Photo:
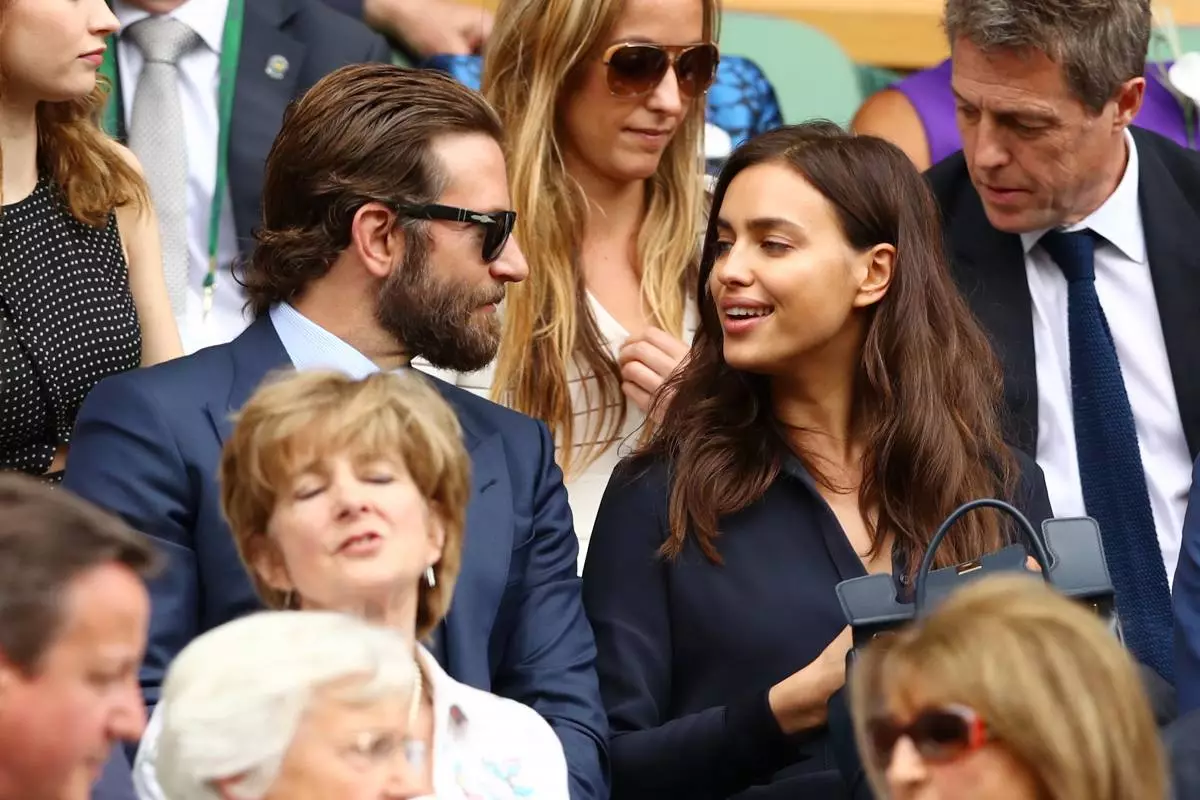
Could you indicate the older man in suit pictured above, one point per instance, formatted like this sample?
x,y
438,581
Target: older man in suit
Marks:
x,y
384,237
202,86
1076,240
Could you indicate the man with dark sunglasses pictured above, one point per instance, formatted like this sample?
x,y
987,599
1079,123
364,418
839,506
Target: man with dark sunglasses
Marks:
x,y
384,237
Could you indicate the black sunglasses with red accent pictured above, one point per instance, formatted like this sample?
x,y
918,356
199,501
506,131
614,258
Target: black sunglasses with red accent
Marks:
x,y
636,69
939,734
497,225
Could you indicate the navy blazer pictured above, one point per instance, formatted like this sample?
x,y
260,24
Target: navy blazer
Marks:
x,y
1186,596
147,446
316,40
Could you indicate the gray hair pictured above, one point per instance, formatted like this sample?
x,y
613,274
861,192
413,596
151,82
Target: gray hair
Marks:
x,y
1100,44
234,698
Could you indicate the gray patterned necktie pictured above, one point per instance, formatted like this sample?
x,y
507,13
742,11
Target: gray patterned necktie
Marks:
x,y
156,136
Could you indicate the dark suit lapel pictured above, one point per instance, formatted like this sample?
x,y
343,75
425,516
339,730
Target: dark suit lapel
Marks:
x,y
487,552
259,101
1170,229
256,353
989,268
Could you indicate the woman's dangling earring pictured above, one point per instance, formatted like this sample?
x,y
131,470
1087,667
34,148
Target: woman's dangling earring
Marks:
x,y
289,601
430,577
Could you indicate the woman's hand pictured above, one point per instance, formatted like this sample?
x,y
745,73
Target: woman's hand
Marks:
x,y
646,361
800,700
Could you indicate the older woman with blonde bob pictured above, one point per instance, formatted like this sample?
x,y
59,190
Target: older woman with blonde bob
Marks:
x,y
351,496
1009,691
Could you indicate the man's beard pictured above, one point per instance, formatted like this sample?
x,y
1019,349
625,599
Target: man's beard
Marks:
x,y
438,319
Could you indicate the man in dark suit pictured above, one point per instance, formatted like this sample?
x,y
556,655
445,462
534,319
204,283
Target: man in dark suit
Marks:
x,y
383,238
1187,612
1076,241
1182,741
171,118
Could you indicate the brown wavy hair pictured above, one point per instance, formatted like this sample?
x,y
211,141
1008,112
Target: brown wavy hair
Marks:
x,y
928,387
361,134
84,162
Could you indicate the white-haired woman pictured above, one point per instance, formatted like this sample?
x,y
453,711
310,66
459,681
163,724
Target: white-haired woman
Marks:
x,y
351,496
296,705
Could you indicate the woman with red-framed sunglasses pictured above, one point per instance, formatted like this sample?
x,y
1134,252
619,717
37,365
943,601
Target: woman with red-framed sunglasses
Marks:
x,y
1009,691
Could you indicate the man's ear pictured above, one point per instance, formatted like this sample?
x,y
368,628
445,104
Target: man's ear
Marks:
x,y
10,677
1129,97
376,239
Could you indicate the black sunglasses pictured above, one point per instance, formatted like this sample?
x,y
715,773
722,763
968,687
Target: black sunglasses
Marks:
x,y
939,734
636,70
497,225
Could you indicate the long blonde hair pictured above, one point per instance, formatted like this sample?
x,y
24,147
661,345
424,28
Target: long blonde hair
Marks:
x,y
1051,682
80,158
537,48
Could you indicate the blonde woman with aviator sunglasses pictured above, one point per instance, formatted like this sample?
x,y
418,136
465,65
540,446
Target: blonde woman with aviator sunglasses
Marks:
x,y
603,106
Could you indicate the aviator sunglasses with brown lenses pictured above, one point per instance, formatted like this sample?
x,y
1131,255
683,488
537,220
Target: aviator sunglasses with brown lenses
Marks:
x,y
635,69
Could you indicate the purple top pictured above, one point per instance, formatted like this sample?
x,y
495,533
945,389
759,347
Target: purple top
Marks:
x,y
929,92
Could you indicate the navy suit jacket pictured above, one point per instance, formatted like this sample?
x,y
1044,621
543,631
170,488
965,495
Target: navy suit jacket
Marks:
x,y
116,782
989,267
1186,597
316,40
147,445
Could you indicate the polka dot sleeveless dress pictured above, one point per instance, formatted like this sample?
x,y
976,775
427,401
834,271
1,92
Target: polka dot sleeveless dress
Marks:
x,y
67,320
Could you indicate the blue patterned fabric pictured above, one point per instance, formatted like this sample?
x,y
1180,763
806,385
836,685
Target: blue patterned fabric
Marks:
x,y
741,101
1110,462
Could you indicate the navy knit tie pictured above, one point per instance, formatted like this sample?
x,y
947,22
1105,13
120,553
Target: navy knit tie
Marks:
x,y
1110,464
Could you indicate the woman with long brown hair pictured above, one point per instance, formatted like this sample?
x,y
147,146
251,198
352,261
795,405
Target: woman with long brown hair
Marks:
x,y
603,109
838,403
82,293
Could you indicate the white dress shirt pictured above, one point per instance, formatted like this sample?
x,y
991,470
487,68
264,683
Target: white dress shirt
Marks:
x,y
1127,295
485,747
198,87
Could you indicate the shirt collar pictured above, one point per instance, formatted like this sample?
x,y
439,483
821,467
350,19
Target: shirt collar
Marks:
x,y
309,346
205,17
1118,220
449,714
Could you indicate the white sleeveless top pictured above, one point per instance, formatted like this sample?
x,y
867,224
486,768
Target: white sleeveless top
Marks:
x,y
585,488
